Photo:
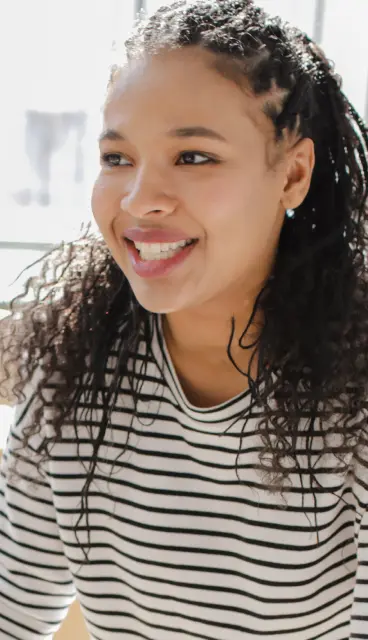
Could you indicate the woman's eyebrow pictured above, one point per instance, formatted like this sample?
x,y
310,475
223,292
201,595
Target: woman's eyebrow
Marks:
x,y
196,132
181,132
111,134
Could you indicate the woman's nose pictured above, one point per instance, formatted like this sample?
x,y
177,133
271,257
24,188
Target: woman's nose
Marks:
x,y
147,195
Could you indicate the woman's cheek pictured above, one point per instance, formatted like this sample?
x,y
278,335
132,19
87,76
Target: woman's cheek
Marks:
x,y
97,199
104,204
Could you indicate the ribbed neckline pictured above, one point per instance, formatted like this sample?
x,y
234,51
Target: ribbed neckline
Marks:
x,y
216,415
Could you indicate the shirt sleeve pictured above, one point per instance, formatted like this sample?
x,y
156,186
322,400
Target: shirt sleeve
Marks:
x,y
359,616
359,613
36,586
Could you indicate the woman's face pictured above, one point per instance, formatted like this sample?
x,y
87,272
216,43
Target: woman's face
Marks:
x,y
186,155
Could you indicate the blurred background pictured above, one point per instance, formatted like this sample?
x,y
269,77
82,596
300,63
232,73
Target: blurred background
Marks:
x,y
55,57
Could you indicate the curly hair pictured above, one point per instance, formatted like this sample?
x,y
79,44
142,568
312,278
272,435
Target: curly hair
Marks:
x,y
313,348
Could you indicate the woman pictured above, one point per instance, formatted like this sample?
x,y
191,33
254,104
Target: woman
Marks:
x,y
193,386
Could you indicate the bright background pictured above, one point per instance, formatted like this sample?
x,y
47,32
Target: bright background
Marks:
x,y
54,58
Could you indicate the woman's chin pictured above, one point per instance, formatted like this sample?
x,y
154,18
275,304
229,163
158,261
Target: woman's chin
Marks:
x,y
158,303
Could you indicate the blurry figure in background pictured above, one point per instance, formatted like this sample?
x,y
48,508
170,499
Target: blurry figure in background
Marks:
x,y
45,135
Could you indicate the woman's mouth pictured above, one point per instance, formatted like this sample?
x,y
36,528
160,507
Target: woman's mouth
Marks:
x,y
156,259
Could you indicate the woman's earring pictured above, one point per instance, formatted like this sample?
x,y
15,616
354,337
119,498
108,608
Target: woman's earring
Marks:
x,y
290,213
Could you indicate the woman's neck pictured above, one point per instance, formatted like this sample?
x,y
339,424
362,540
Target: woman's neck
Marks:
x,y
198,347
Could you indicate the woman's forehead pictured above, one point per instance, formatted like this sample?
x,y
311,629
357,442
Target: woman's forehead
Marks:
x,y
185,68
181,85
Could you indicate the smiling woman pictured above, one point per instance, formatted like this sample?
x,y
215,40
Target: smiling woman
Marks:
x,y
193,379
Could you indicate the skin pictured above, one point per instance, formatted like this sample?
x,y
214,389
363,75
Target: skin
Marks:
x,y
234,205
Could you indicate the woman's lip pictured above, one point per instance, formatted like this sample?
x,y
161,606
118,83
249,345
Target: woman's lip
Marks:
x,y
156,235
156,268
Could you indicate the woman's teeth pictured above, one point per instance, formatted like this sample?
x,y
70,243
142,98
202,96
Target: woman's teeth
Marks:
x,y
160,251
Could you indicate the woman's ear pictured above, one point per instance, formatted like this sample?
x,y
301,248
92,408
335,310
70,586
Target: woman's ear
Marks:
x,y
299,173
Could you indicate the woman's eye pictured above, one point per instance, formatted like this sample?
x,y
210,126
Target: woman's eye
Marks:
x,y
192,157
114,160
186,158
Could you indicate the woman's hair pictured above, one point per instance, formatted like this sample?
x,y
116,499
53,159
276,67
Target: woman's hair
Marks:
x,y
313,348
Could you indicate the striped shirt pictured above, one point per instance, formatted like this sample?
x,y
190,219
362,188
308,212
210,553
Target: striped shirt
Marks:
x,y
180,548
